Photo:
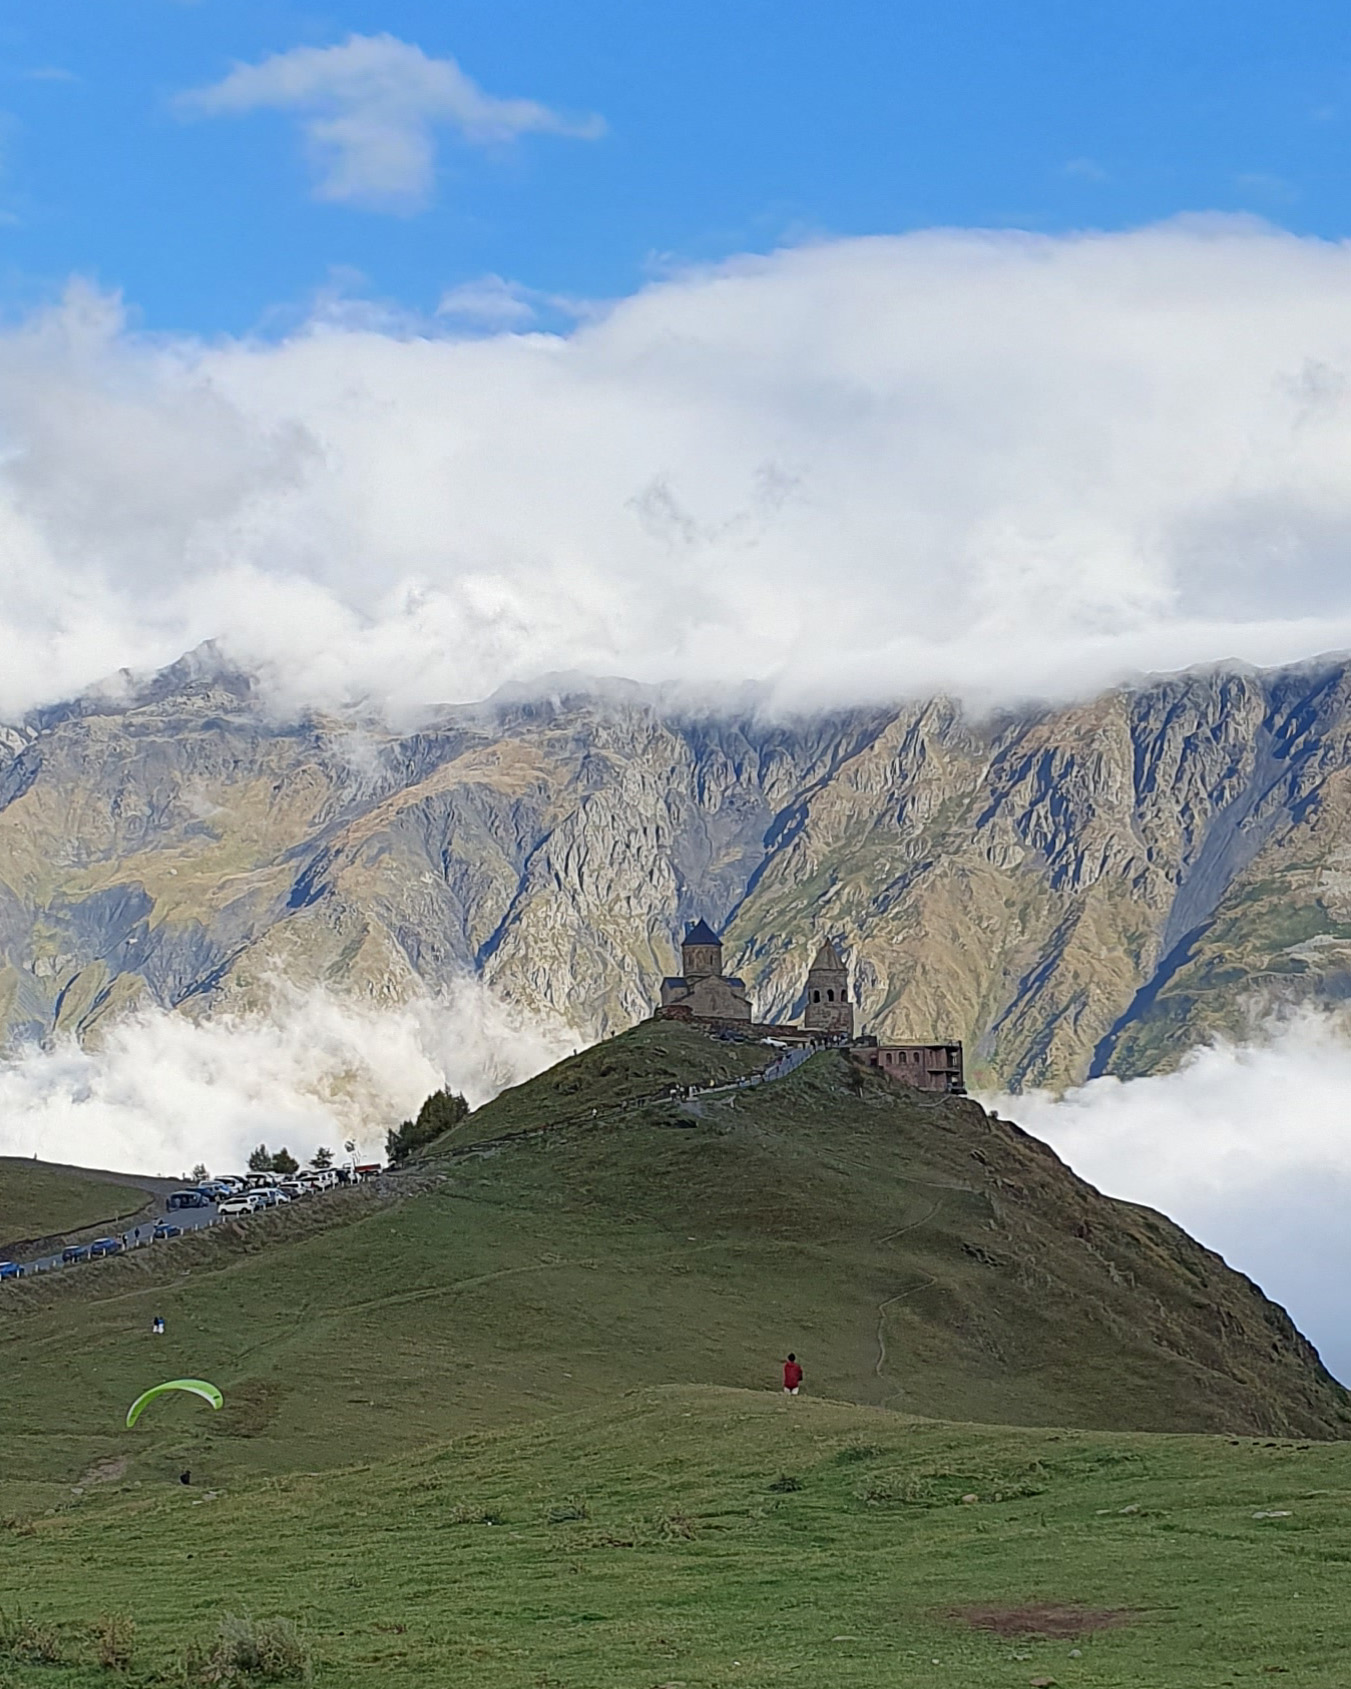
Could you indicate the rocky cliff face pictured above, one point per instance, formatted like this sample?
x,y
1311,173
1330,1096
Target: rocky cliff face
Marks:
x,y
1083,889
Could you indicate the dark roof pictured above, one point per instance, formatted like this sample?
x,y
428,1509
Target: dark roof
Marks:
x,y
701,933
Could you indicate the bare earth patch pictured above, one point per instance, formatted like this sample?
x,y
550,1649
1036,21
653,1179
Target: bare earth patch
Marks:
x,y
106,1471
1042,1618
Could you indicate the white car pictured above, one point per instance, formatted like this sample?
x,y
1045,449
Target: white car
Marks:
x,y
235,1205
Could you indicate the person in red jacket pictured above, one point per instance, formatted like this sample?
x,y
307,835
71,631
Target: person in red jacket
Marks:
x,y
792,1376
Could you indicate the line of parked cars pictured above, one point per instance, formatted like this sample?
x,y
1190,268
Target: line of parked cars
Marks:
x,y
267,1190
253,1191
232,1198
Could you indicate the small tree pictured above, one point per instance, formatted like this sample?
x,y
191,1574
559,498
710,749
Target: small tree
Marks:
x,y
199,1173
441,1111
322,1159
261,1160
284,1162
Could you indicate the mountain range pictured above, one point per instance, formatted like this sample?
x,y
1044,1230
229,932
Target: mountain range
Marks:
x,y
1071,889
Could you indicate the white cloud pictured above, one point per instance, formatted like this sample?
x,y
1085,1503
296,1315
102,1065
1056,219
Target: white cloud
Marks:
x,y
1248,1148
369,111
994,463
162,1092
493,303
490,301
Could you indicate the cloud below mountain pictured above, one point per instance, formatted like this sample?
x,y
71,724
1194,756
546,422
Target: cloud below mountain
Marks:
x,y
1246,1147
161,1092
997,464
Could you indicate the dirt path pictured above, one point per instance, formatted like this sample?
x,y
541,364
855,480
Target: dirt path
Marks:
x,y
900,1296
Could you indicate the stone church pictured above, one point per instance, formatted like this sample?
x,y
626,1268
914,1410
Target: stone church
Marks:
x,y
704,992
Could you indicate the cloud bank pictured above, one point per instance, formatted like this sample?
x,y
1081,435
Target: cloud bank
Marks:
x,y
162,1092
369,113
997,464
1248,1148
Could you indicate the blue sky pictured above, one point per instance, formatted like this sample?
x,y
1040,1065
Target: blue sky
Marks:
x,y
730,125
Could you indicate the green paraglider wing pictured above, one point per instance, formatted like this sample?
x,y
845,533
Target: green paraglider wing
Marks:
x,y
197,1386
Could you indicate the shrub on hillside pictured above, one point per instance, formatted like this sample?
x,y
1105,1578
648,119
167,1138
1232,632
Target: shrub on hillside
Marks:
x,y
267,1650
441,1111
28,1642
114,1640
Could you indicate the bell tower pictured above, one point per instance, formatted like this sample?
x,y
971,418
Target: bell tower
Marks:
x,y
828,1007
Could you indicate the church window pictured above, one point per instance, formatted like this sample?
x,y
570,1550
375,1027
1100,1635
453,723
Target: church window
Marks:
x,y
830,996
816,996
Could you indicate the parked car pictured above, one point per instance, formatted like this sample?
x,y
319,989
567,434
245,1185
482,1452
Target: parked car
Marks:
x,y
213,1190
368,1170
105,1246
235,1206
264,1197
163,1230
230,1186
187,1199
262,1181
294,1189
76,1252
10,1269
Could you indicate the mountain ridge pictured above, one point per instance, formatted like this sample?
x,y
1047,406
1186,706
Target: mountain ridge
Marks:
x,y
1071,889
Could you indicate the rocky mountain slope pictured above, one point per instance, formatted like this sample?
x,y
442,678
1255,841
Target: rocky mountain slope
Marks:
x,y
1077,889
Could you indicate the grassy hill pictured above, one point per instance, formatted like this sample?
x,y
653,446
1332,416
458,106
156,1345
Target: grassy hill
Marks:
x,y
647,1061
38,1200
511,1419
915,1252
695,1538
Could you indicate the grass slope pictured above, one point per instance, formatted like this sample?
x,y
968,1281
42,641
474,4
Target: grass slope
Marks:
x,y
917,1253
708,1539
38,1201
647,1060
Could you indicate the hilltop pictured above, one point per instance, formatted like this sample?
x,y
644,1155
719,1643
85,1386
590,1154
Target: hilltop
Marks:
x,y
1089,887
918,1253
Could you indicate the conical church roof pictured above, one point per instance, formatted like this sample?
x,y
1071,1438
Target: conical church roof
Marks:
x,y
701,933
828,958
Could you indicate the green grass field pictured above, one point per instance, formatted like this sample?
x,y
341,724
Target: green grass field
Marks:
x,y
511,1419
712,1538
40,1201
